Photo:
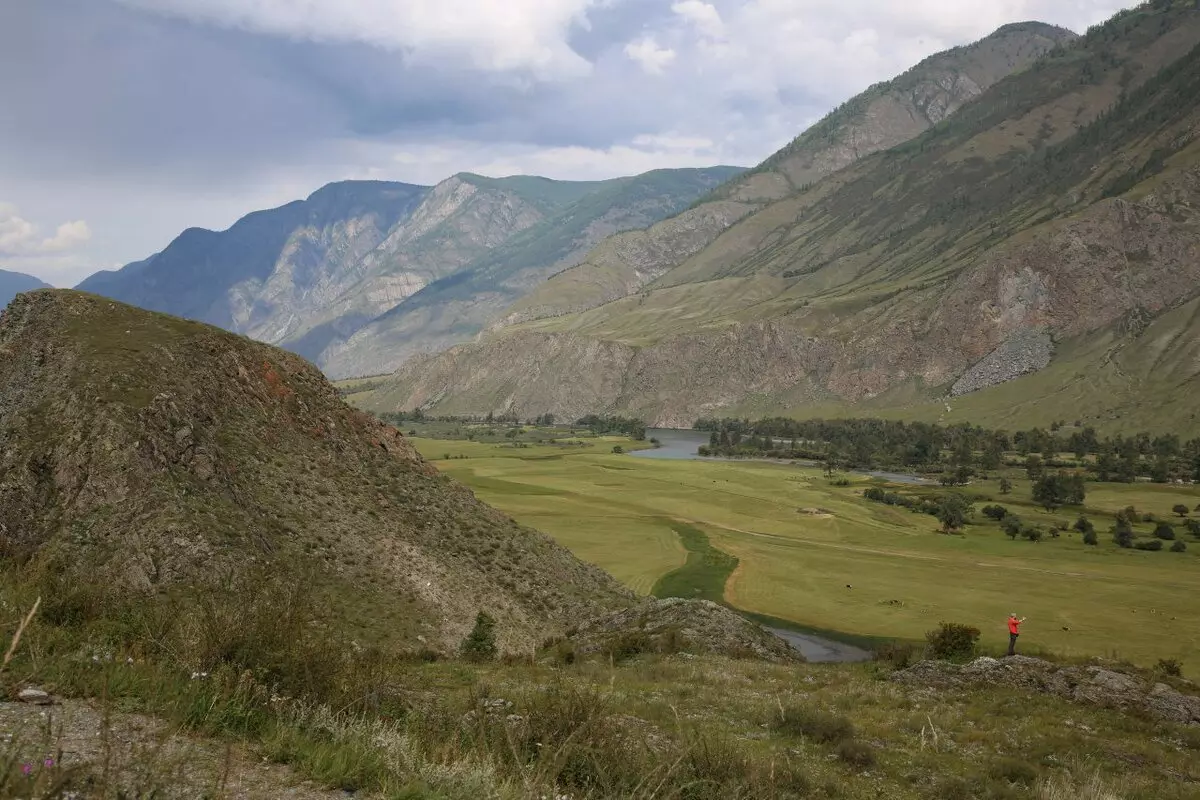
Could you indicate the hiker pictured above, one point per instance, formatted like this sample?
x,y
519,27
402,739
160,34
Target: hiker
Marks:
x,y
1014,630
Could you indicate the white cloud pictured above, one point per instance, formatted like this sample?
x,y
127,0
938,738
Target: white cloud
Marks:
x,y
19,237
652,58
703,15
495,35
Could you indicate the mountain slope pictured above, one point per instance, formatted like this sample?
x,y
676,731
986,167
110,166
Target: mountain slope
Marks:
x,y
455,308
883,116
160,456
13,283
1001,241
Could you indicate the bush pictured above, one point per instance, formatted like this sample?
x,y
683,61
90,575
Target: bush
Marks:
x,y
618,450
1165,531
1083,525
952,641
1013,770
480,644
1012,526
856,754
1149,544
1178,547
994,512
813,723
899,655
1090,538
1169,666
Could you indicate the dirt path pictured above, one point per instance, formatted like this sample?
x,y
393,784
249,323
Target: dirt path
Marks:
x,y
144,756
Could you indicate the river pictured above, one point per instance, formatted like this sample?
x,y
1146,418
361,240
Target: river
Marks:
x,y
683,444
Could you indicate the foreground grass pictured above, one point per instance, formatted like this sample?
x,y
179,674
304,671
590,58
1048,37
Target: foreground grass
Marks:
x,y
821,556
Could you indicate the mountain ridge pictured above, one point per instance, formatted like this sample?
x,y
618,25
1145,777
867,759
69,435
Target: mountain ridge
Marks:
x,y
882,285
14,283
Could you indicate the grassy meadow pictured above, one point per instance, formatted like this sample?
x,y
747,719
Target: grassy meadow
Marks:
x,y
823,557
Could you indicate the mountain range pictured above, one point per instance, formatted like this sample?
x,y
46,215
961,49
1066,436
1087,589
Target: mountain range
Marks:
x,y
13,283
1028,255
363,274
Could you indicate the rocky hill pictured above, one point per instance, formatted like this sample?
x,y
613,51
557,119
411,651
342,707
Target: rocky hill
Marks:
x,y
326,277
885,115
155,456
1033,256
13,283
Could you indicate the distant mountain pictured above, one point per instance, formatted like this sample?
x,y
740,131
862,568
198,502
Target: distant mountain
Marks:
x,y
1032,257
324,276
164,461
885,115
13,283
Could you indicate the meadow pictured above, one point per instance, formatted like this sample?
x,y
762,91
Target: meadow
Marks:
x,y
823,558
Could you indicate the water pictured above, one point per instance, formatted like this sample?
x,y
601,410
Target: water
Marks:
x,y
819,650
682,445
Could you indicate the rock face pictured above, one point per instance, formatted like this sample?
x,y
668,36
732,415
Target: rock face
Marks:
x,y
1093,685
890,282
150,454
329,277
678,625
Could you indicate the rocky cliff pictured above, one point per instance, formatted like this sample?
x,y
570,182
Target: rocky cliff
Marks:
x,y
1042,237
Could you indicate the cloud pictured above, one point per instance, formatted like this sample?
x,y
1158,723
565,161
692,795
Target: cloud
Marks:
x,y
19,237
703,15
652,58
509,35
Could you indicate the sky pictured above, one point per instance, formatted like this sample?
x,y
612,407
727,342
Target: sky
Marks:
x,y
126,121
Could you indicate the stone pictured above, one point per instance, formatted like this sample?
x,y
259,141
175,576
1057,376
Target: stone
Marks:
x,y
35,696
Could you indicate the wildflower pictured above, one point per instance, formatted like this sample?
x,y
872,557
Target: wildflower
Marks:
x,y
48,763
26,768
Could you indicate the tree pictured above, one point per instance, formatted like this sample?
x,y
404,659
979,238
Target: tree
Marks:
x,y
1058,489
1006,486
1165,531
1084,526
480,644
952,512
1193,526
1090,538
618,450
1033,467
1033,534
1178,547
1180,509
995,512
1123,532
1012,526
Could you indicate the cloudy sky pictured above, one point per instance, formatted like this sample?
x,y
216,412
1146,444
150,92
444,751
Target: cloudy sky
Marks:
x,y
125,121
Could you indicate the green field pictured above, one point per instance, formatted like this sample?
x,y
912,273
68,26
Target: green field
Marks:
x,y
823,557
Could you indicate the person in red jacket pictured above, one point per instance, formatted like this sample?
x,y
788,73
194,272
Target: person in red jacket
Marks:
x,y
1014,630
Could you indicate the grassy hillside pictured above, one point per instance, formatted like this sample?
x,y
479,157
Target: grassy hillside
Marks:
x,y
146,458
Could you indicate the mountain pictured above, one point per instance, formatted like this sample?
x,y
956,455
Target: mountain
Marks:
x,y
885,115
311,274
1034,256
164,458
13,283
456,308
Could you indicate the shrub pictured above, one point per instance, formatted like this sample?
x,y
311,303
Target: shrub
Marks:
x,y
1193,526
1178,547
1083,525
1149,544
899,655
856,754
952,641
994,512
1169,666
618,450
814,723
1181,509
1011,525
480,644
1090,538
1165,531
1033,534
1013,770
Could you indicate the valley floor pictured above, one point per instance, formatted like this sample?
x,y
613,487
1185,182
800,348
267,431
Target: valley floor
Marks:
x,y
824,559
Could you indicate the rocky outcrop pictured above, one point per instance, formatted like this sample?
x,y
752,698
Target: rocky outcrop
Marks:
x,y
675,625
1026,351
1091,685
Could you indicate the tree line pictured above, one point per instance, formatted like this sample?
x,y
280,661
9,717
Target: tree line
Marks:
x,y
955,450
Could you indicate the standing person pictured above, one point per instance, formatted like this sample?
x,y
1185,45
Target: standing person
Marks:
x,y
1014,630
